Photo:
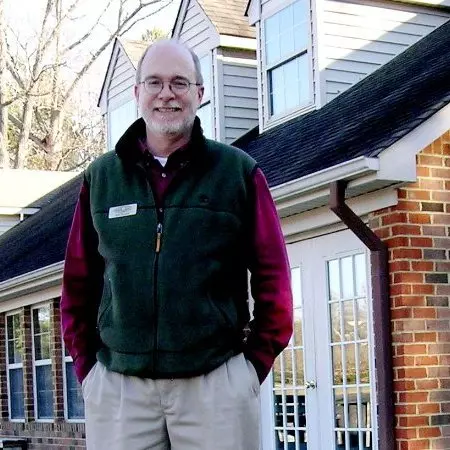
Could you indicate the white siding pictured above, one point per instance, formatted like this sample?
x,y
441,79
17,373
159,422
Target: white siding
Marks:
x,y
240,99
7,222
197,31
120,89
360,37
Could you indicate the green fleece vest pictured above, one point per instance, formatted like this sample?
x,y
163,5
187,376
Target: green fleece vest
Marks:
x,y
175,282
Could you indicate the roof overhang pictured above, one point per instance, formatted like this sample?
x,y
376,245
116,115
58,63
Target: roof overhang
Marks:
x,y
243,43
433,3
28,283
394,166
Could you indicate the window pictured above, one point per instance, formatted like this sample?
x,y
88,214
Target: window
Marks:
x,y
287,59
348,309
43,380
72,391
119,120
15,349
205,112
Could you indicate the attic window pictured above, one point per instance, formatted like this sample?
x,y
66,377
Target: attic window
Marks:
x,y
287,59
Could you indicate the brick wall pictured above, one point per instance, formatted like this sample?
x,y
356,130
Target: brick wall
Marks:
x,y
417,232
59,434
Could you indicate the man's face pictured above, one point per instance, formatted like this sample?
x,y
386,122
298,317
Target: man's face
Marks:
x,y
168,112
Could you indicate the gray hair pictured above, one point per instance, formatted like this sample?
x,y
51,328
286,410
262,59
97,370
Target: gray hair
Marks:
x,y
198,71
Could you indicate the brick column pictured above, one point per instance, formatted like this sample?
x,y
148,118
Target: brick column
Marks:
x,y
417,233
57,363
28,364
3,377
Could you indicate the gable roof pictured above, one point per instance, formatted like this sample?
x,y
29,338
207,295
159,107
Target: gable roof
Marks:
x,y
228,17
41,239
133,49
22,188
364,120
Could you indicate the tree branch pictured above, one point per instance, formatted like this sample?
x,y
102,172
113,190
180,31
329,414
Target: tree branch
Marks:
x,y
88,33
18,123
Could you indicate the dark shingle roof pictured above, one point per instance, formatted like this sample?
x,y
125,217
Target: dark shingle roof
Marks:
x,y
228,17
364,120
41,239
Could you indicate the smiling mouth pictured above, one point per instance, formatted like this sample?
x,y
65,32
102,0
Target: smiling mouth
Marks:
x,y
163,109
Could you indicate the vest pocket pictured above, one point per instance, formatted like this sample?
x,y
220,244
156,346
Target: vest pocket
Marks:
x,y
105,304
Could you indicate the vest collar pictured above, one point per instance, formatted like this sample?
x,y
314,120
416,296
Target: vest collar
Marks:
x,y
128,146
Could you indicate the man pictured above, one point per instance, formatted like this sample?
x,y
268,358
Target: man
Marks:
x,y
155,301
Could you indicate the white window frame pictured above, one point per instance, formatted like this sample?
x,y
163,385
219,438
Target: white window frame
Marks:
x,y
270,120
11,367
67,359
208,98
40,363
111,110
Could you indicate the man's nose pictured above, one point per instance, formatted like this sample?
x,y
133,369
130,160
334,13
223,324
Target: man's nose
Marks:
x,y
166,91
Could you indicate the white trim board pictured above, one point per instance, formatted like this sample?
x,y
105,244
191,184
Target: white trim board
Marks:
x,y
322,220
237,42
32,282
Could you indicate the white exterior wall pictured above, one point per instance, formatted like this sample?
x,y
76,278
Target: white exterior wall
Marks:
x,y
120,89
197,31
357,38
240,96
7,222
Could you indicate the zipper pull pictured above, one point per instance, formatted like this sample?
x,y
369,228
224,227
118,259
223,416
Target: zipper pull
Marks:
x,y
158,237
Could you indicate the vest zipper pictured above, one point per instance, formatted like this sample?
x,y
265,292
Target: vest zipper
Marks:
x,y
159,230
158,237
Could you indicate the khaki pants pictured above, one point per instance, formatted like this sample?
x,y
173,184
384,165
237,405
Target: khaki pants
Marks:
x,y
216,411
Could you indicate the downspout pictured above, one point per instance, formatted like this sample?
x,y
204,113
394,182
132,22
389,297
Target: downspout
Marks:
x,y
381,312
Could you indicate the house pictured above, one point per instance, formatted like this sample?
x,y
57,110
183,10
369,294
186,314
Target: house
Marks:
x,y
20,190
353,133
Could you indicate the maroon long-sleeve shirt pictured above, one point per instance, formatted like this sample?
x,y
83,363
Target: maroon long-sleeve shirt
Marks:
x,y
271,328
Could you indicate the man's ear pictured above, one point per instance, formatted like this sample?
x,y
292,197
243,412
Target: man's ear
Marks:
x,y
136,92
200,92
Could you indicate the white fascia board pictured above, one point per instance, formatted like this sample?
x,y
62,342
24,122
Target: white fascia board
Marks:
x,y
237,42
102,102
254,11
13,211
293,190
442,3
30,282
399,160
319,220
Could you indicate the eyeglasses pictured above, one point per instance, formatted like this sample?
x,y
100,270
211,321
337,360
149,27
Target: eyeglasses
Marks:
x,y
177,86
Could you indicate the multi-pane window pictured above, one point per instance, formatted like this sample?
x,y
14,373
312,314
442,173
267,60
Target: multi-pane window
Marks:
x,y
348,309
289,382
205,112
15,351
73,396
43,381
287,58
120,119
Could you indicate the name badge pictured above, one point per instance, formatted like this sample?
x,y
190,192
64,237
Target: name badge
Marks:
x,y
122,211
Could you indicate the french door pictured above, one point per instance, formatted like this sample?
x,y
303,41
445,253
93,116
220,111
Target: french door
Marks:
x,y
320,394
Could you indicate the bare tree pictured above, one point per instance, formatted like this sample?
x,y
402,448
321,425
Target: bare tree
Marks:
x,y
53,54
4,155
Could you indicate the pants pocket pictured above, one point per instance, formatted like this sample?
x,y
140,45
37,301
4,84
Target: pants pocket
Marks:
x,y
85,385
253,377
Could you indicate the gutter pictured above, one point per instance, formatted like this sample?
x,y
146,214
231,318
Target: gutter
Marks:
x,y
381,312
30,282
315,186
